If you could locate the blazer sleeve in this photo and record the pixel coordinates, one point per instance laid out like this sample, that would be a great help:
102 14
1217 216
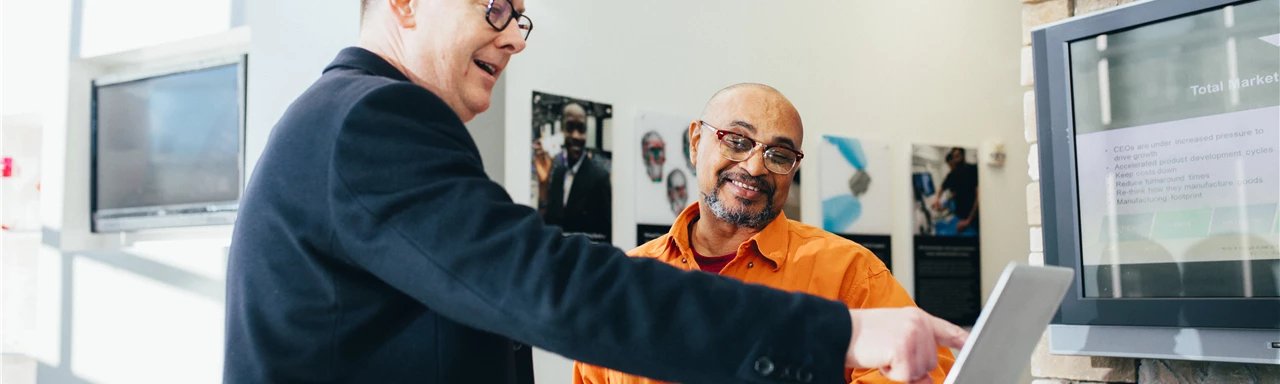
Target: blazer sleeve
415 209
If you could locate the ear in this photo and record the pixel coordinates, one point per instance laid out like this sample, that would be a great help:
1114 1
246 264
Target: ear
403 12
695 134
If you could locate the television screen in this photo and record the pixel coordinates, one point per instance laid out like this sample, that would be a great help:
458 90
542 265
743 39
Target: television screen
1158 127
168 145
1177 149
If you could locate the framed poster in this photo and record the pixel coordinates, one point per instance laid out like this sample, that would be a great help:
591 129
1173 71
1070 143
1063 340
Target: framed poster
853 183
665 179
572 159
945 222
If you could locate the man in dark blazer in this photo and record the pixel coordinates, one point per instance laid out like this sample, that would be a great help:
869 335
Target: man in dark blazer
372 248
587 208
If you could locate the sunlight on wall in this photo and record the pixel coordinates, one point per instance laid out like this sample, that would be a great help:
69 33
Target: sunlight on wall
119 25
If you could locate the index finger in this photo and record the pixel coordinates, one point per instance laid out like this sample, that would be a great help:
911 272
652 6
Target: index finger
947 334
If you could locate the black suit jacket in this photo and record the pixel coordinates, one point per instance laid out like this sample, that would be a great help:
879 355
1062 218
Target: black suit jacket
590 207
371 248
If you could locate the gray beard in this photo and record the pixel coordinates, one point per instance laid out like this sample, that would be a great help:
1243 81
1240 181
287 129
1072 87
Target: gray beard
740 217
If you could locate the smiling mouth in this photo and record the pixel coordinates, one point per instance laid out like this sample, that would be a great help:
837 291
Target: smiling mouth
487 68
744 185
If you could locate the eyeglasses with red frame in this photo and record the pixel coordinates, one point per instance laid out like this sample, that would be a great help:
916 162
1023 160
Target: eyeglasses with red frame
736 147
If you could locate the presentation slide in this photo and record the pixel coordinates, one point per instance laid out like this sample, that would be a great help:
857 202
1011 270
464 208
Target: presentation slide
1177 152
1182 184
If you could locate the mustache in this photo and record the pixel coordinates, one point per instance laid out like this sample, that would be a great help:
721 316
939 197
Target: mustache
754 181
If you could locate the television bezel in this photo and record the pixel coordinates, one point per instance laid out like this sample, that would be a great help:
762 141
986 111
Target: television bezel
1058 179
212 213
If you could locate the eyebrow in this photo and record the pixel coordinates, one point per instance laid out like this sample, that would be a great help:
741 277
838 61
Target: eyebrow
788 142
745 125
752 129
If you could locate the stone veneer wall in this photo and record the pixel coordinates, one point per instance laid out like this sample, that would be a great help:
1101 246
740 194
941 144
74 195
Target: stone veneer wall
1055 369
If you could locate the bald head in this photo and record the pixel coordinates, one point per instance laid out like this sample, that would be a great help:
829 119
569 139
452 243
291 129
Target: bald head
768 100
761 102
741 87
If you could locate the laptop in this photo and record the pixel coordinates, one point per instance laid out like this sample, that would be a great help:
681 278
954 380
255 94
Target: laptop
1016 315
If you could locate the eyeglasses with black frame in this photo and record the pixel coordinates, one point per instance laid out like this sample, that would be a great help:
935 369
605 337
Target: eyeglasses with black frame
501 12
736 147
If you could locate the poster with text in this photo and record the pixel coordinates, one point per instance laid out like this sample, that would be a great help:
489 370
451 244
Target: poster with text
571 163
854 186
665 180
945 222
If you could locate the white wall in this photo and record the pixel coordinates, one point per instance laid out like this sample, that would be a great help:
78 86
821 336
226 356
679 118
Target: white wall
898 71
34 36
293 40
110 26
489 131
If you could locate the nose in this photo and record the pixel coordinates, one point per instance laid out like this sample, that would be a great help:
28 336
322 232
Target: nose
510 39
754 164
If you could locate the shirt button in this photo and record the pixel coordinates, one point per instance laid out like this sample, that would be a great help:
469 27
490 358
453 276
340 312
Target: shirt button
764 366
684 260
749 265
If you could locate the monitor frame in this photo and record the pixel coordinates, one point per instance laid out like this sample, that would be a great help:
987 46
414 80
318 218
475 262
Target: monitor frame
212 213
1127 327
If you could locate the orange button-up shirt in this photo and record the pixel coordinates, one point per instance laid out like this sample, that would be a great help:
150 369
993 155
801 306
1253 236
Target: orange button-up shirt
791 256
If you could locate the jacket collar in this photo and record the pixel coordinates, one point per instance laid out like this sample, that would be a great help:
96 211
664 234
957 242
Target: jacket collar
772 242
364 60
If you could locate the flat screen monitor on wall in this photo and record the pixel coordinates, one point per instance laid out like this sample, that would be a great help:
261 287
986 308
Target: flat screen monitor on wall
1159 128
167 147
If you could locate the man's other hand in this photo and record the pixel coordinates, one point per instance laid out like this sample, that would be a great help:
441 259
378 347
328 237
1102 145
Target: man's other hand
541 162
901 342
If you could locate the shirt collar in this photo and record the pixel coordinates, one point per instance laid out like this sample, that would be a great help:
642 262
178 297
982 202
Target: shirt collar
363 59
772 242
574 169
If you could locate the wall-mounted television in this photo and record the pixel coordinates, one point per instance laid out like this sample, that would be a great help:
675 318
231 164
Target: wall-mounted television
1159 126
167 146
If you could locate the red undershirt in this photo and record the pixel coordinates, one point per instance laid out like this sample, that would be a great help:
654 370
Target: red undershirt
712 264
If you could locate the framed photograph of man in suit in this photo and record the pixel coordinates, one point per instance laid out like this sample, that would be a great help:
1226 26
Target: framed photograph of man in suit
572 159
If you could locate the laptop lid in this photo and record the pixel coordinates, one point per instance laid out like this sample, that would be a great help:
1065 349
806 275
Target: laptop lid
1016 315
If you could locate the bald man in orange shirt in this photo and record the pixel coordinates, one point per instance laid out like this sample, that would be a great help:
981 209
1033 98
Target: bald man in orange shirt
746 147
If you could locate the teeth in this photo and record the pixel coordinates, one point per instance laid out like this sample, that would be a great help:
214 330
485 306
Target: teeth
745 186
486 67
